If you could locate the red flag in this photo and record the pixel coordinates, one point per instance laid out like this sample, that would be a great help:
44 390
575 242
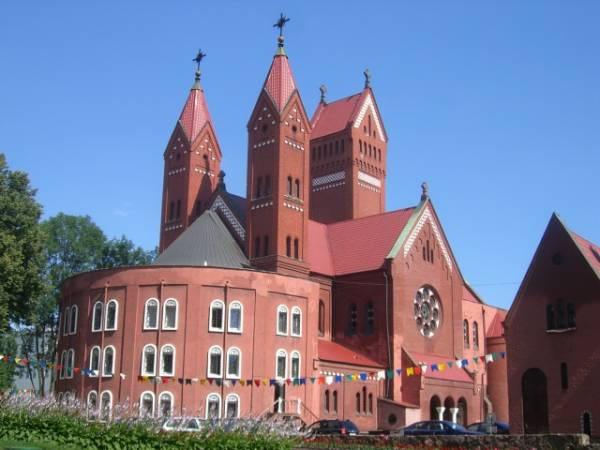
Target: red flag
257 383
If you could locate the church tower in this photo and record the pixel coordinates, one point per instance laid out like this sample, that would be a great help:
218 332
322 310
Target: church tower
348 157
278 172
192 164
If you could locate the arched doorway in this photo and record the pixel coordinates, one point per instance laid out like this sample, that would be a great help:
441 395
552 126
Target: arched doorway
434 403
535 401
448 404
462 412
586 423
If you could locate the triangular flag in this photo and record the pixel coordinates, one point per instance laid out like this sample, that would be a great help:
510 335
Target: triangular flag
363 376
442 367
243 382
329 379
410 371
390 374
464 363
123 376
434 367
417 370
424 369
233 382
489 358
265 382
257 382
450 364
399 371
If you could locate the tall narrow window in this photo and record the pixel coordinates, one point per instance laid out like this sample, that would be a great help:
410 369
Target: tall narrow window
296 321
213 406
564 376
97 317
288 247
198 207
258 192
149 360
353 319
234 324
466 338
267 185
475 336
289 186
297 187
322 317
561 321
234 358
105 406
281 364
73 321
92 405
364 399
358 403
108 367
171 210
216 316
151 314
342 146
147 405
295 365
215 366
257 246
63 364
326 401
232 406
167 361
266 246
370 323
282 320
570 315
550 322
165 403
70 363
170 314
111 315
67 321
94 361
296 249
370 404
178 214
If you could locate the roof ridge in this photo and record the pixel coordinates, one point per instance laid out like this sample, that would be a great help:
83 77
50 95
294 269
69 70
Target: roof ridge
357 219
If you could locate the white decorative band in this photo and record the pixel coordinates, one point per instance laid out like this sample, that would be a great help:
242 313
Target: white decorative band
369 187
425 217
329 186
369 179
295 207
220 205
325 179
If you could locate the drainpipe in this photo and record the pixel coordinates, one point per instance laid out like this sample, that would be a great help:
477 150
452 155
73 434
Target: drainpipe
387 332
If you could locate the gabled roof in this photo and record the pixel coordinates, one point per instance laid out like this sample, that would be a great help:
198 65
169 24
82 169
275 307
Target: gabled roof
495 328
207 242
195 114
280 83
356 245
590 251
334 352
448 374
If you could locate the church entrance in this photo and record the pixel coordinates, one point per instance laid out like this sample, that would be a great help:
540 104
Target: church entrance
434 404
535 401
279 401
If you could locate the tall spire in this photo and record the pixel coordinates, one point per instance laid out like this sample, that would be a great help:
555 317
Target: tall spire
195 113
280 83
280 24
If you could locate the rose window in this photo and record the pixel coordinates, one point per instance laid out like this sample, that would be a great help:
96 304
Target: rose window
428 311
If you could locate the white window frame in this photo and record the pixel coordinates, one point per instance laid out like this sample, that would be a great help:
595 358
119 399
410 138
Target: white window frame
73 324
211 394
109 347
70 364
66 319
210 374
164 314
161 369
96 330
116 325
91 414
282 308
151 299
143 368
63 364
237 305
142 403
100 407
97 371
285 368
295 354
298 311
171 397
237 398
228 373
210 316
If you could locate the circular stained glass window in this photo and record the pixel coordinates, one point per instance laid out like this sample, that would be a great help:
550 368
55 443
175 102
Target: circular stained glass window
428 311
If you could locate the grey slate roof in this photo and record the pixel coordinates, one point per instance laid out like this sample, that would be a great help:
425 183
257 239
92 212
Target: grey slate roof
207 242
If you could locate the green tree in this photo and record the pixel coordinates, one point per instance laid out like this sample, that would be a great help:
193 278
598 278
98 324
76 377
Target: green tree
8 346
20 246
123 252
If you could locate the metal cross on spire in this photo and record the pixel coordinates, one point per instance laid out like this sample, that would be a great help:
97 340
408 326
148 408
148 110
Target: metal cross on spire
367 74
281 23
199 57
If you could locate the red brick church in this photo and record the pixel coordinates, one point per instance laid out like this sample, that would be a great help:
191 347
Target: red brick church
306 278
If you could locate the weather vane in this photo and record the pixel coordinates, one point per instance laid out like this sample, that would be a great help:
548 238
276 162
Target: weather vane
281 23
199 57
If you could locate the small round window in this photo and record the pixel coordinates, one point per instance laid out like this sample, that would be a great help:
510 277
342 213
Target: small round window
428 311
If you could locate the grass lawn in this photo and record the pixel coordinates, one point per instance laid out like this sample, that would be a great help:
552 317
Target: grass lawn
15 444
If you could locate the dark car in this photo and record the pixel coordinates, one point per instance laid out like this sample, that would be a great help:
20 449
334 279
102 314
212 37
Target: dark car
436 427
489 428
330 427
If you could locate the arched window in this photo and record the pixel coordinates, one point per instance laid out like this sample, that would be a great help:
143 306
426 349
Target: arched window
358 403
73 321
364 399
289 186
560 315
288 247
570 315
281 364
335 393
266 245
370 323
106 400
296 321
462 412
178 214
297 186
267 185
282 320
360 146
550 320
215 362
94 361
321 318
258 187
92 405
165 404
216 316
63 364
70 363
564 376
257 246
112 310
232 406
235 322
170 314
353 319
234 362
151 314
475 336
326 401
295 364
147 404
149 360
213 406
167 361
296 248
171 210
108 366
466 339
97 317
370 404
66 321
586 423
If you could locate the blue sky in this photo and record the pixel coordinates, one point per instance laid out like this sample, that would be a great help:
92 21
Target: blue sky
496 104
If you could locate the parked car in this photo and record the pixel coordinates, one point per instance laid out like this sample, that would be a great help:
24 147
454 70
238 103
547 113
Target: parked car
184 424
489 428
332 427
435 427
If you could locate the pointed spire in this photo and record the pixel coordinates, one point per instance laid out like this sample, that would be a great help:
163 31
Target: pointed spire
280 82
280 40
195 113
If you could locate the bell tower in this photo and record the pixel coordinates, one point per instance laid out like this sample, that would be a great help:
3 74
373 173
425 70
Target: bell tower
192 164
278 171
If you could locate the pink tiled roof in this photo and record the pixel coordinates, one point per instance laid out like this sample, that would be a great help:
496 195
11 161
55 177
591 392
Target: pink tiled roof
280 82
449 374
590 250
333 117
334 352
195 114
495 328
357 245
469 296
